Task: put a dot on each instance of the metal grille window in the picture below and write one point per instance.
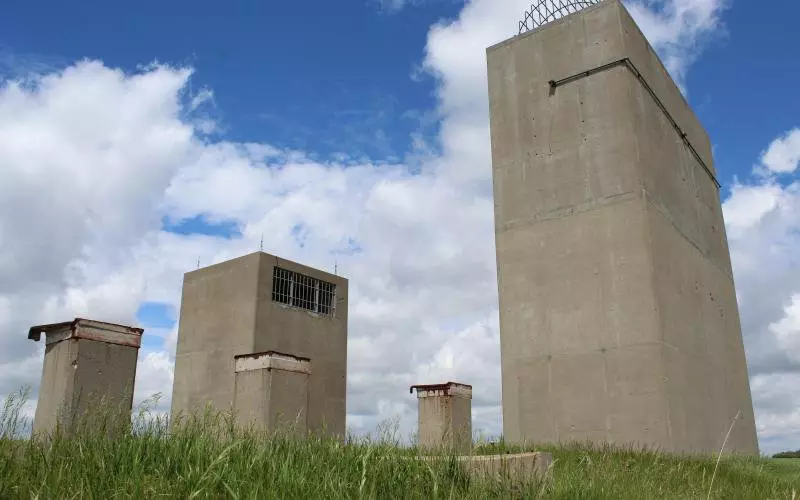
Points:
(305, 292)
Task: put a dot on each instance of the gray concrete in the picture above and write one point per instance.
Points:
(445, 417)
(511, 467)
(618, 312)
(227, 310)
(517, 467)
(88, 365)
(271, 393)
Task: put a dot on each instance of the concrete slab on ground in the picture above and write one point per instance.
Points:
(513, 466)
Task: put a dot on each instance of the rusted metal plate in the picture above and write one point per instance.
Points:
(35, 332)
(108, 336)
(131, 330)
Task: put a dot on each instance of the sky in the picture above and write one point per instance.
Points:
(138, 139)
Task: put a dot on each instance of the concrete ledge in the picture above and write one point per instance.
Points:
(447, 389)
(514, 467)
(272, 361)
(81, 328)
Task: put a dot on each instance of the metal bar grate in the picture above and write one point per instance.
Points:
(304, 292)
(545, 11)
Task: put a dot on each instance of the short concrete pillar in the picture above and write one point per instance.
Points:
(87, 364)
(271, 392)
(445, 417)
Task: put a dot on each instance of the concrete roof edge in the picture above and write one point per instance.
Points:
(131, 329)
(271, 353)
(672, 81)
(35, 332)
(262, 255)
(433, 387)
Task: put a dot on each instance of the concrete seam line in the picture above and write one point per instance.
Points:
(629, 64)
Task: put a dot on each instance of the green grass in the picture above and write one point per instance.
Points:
(586, 471)
(209, 458)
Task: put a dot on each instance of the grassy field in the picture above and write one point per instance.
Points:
(207, 458)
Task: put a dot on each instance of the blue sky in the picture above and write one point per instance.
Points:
(334, 77)
(320, 76)
(743, 87)
(352, 99)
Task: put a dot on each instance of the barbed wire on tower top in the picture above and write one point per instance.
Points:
(545, 11)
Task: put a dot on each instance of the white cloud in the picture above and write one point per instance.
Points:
(86, 155)
(94, 157)
(748, 205)
(203, 96)
(763, 222)
(778, 403)
(678, 28)
(787, 329)
(783, 155)
(394, 6)
(154, 375)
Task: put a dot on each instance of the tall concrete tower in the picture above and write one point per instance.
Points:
(618, 314)
(243, 322)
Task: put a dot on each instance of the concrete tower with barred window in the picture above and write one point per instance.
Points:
(266, 334)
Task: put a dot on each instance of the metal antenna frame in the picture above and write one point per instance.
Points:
(545, 11)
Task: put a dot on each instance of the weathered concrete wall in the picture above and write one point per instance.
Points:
(272, 397)
(56, 389)
(445, 417)
(322, 339)
(227, 310)
(693, 277)
(106, 371)
(617, 304)
(78, 374)
(217, 318)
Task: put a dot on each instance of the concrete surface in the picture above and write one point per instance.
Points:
(445, 417)
(271, 393)
(618, 312)
(514, 467)
(509, 467)
(81, 373)
(227, 310)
